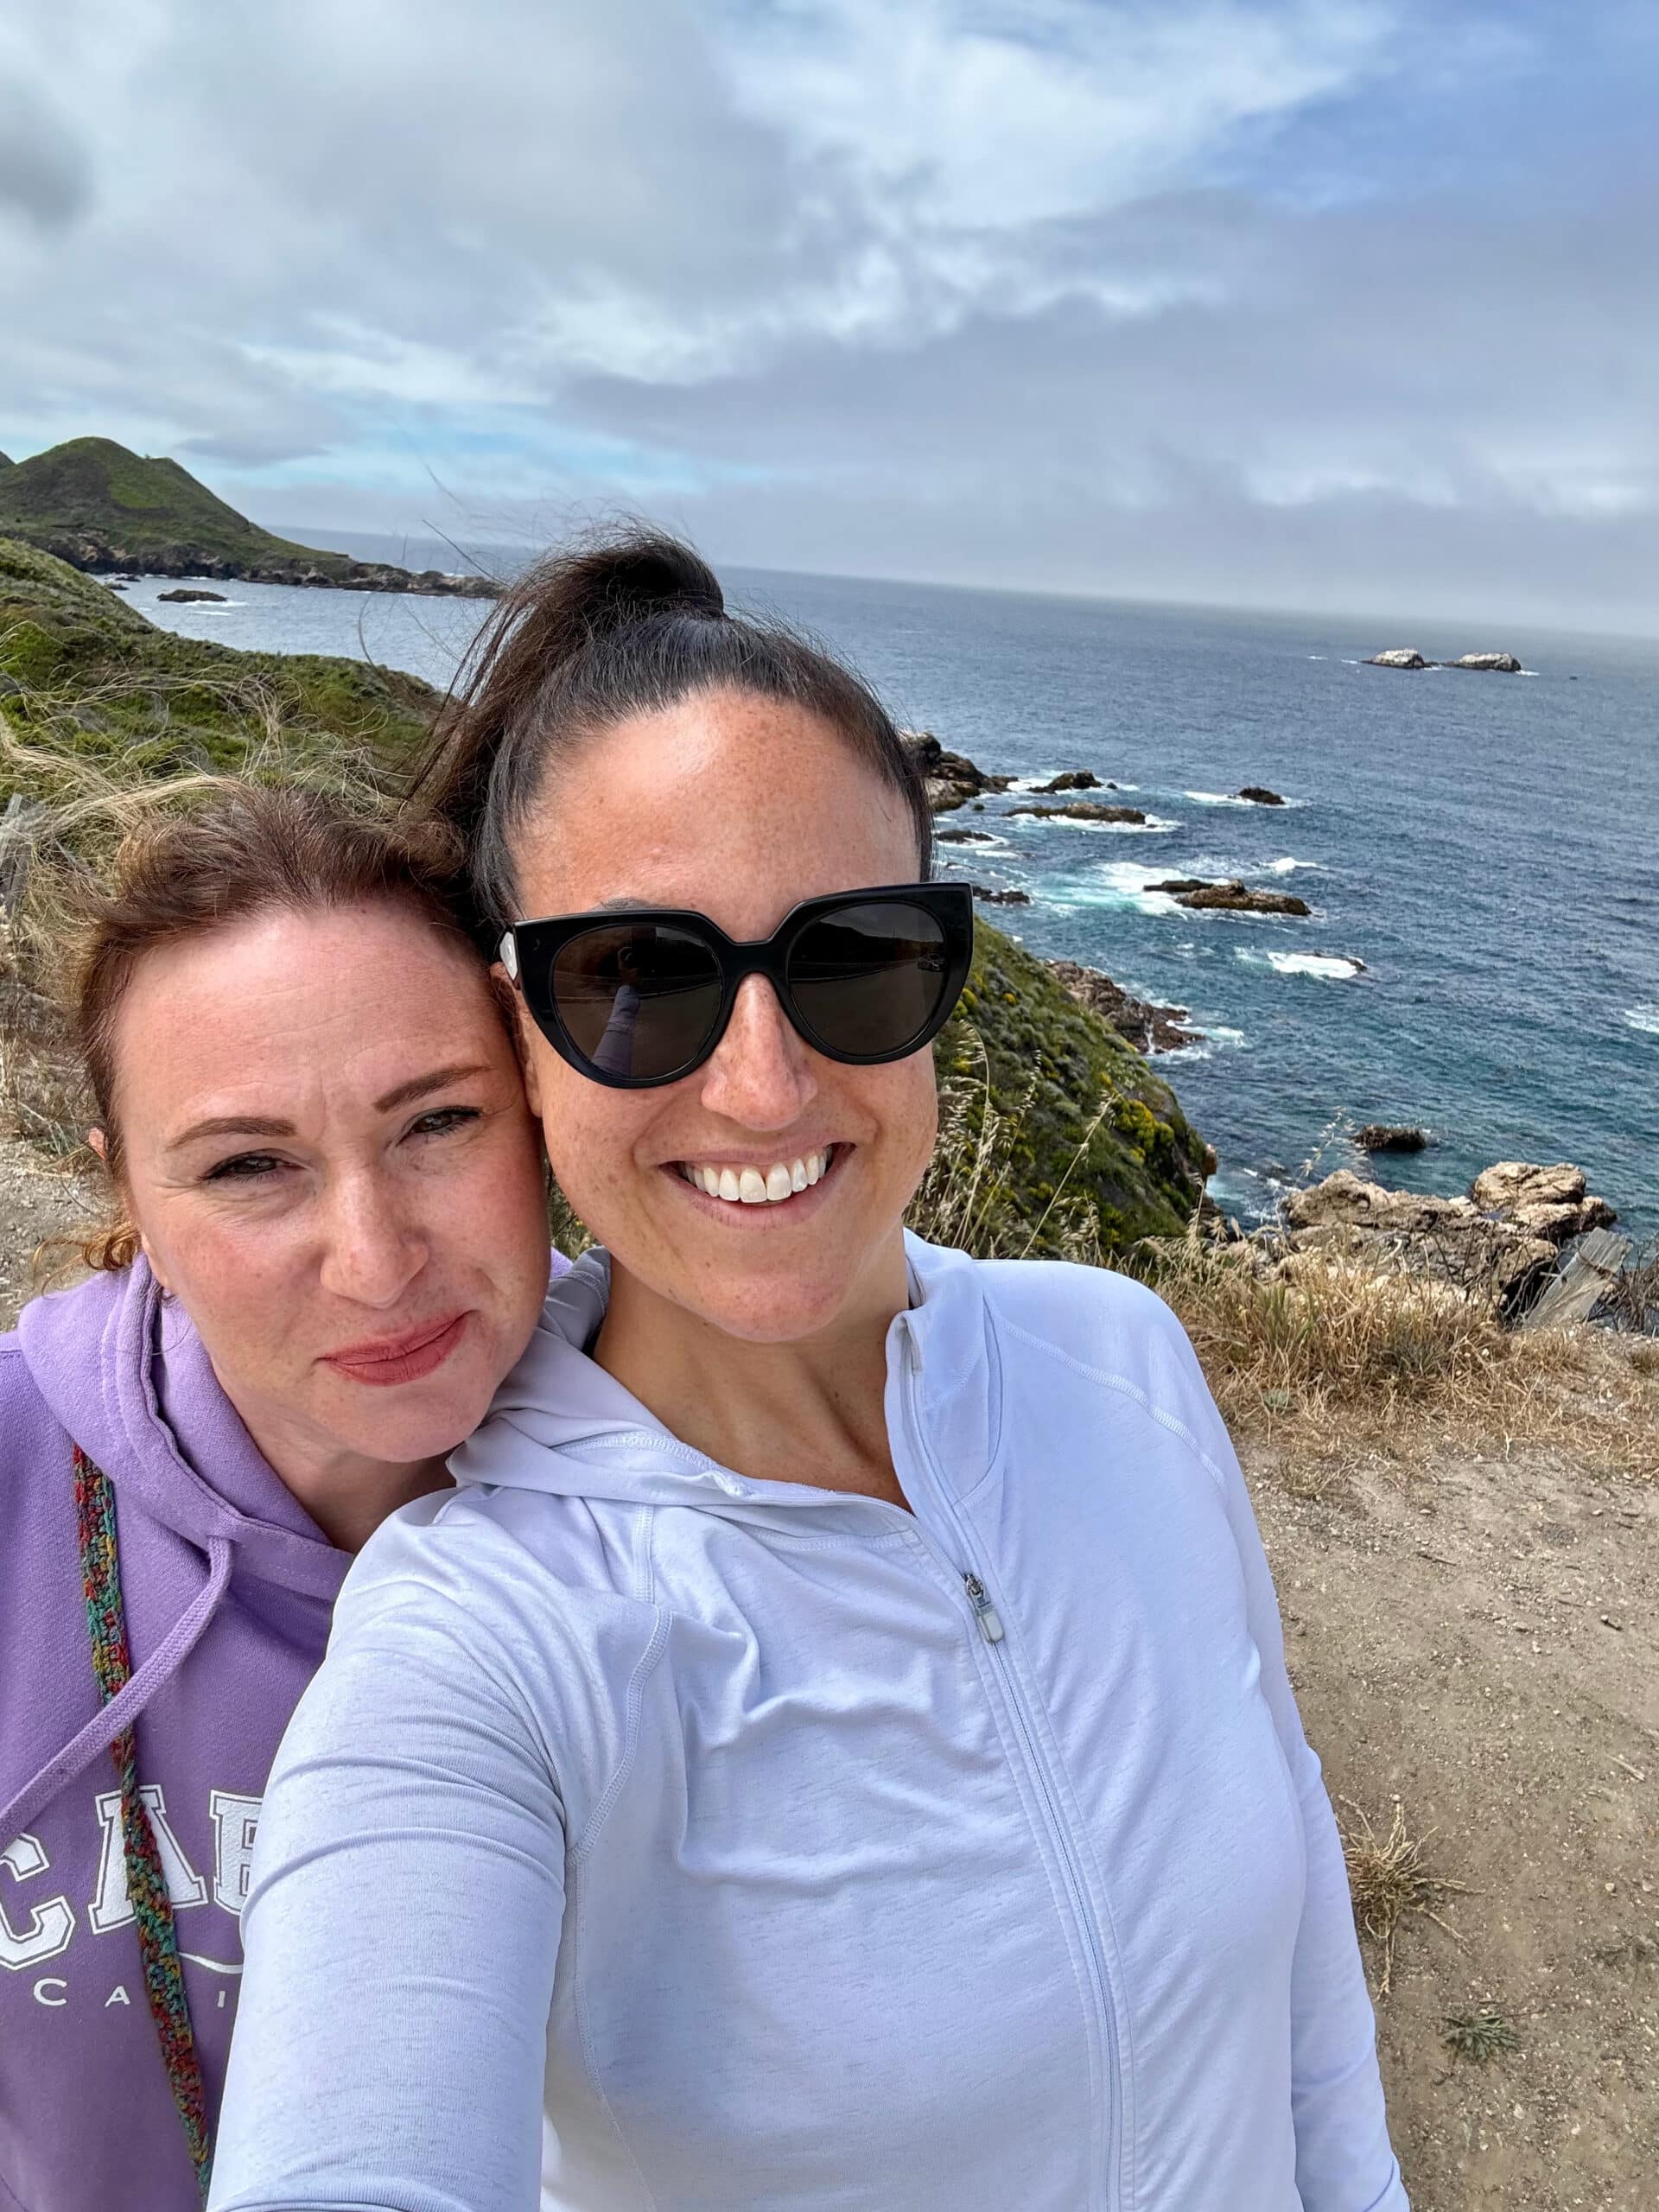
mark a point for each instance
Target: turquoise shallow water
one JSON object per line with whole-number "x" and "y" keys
{"x": 1487, "y": 845}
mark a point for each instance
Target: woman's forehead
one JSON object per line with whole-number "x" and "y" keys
{"x": 735, "y": 806}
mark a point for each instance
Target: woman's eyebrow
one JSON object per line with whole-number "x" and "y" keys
{"x": 231, "y": 1125}
{"x": 419, "y": 1085}
{"x": 267, "y": 1125}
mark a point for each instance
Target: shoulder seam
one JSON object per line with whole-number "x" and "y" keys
{"x": 1127, "y": 1388}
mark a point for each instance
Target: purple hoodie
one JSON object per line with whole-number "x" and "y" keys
{"x": 228, "y": 1586}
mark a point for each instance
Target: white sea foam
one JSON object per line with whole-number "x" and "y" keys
{"x": 1217, "y": 798}
{"x": 1288, "y": 866}
{"x": 1328, "y": 965}
{"x": 1153, "y": 826}
{"x": 1644, "y": 1018}
{"x": 1039, "y": 777}
{"x": 1113, "y": 883}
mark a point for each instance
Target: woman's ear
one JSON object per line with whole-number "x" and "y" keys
{"x": 99, "y": 1144}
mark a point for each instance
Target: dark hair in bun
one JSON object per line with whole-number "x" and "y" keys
{"x": 624, "y": 625}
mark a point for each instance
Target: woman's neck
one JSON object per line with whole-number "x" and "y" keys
{"x": 346, "y": 1493}
{"x": 811, "y": 1411}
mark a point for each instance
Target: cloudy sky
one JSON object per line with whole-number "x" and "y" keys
{"x": 1322, "y": 303}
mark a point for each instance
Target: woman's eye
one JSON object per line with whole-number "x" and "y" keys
{"x": 246, "y": 1168}
{"x": 443, "y": 1120}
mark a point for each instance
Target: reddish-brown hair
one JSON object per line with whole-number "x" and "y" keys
{"x": 244, "y": 849}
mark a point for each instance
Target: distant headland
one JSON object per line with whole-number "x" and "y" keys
{"x": 106, "y": 511}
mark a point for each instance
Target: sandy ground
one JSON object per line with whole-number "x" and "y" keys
{"x": 1480, "y": 1643}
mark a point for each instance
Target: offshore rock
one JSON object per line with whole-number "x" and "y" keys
{"x": 1149, "y": 1027}
{"x": 1074, "y": 779}
{"x": 1230, "y": 898}
{"x": 1259, "y": 795}
{"x": 183, "y": 598}
{"x": 992, "y": 898}
{"x": 951, "y": 778}
{"x": 1399, "y": 657}
{"x": 1083, "y": 810}
{"x": 1391, "y": 1136}
{"x": 1498, "y": 663}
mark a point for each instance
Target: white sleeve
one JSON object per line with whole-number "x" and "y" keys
{"x": 399, "y": 1936}
{"x": 1345, "y": 2162}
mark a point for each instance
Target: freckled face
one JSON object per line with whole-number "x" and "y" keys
{"x": 328, "y": 1155}
{"x": 737, "y": 807}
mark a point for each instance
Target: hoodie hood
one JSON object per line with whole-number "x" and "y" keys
{"x": 125, "y": 1372}
{"x": 560, "y": 1423}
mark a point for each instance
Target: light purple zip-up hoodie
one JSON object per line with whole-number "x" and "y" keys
{"x": 229, "y": 1586}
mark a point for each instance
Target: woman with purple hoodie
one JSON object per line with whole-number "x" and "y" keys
{"x": 330, "y": 1250}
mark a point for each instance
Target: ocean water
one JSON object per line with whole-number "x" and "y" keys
{"x": 1487, "y": 845}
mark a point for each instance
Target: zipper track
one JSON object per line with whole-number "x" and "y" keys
{"x": 983, "y": 1612}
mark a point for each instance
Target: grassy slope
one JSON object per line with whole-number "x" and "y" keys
{"x": 1086, "y": 1119}
{"x": 83, "y": 674}
{"x": 85, "y": 678}
{"x": 92, "y": 491}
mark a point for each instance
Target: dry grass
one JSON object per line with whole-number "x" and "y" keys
{"x": 1390, "y": 1882}
{"x": 1325, "y": 1346}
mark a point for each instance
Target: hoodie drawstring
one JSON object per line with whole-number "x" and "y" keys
{"x": 152, "y": 1908}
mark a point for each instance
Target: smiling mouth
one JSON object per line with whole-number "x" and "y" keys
{"x": 772, "y": 1185}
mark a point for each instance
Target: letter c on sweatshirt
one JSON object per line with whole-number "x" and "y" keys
{"x": 49, "y": 1926}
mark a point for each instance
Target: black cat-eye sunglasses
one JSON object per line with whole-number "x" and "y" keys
{"x": 637, "y": 996}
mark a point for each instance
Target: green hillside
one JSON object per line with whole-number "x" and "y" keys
{"x": 92, "y": 503}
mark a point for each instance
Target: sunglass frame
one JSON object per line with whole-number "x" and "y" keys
{"x": 528, "y": 951}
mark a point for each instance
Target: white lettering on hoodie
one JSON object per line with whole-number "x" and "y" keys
{"x": 654, "y": 1836}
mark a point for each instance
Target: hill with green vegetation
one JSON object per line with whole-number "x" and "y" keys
{"x": 87, "y": 683}
{"x": 94, "y": 504}
{"x": 1056, "y": 1137}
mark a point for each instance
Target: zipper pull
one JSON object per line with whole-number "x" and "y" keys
{"x": 984, "y": 1612}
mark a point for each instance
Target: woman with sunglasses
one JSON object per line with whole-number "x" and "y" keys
{"x": 833, "y": 1748}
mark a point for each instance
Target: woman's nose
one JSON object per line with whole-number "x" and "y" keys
{"x": 371, "y": 1251}
{"x": 760, "y": 1072}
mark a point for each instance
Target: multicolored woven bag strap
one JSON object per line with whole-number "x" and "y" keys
{"x": 100, "y": 1581}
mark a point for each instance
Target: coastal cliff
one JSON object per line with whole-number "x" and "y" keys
{"x": 103, "y": 509}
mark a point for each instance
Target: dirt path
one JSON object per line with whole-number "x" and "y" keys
{"x": 1481, "y": 1642}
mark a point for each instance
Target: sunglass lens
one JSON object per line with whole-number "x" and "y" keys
{"x": 869, "y": 980}
{"x": 638, "y": 1001}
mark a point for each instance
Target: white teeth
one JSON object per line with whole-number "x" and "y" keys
{"x": 759, "y": 1187}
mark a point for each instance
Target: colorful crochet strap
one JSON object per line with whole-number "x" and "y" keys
{"x": 100, "y": 1581}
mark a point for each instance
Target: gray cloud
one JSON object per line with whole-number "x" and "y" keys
{"x": 45, "y": 174}
{"x": 1046, "y": 293}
